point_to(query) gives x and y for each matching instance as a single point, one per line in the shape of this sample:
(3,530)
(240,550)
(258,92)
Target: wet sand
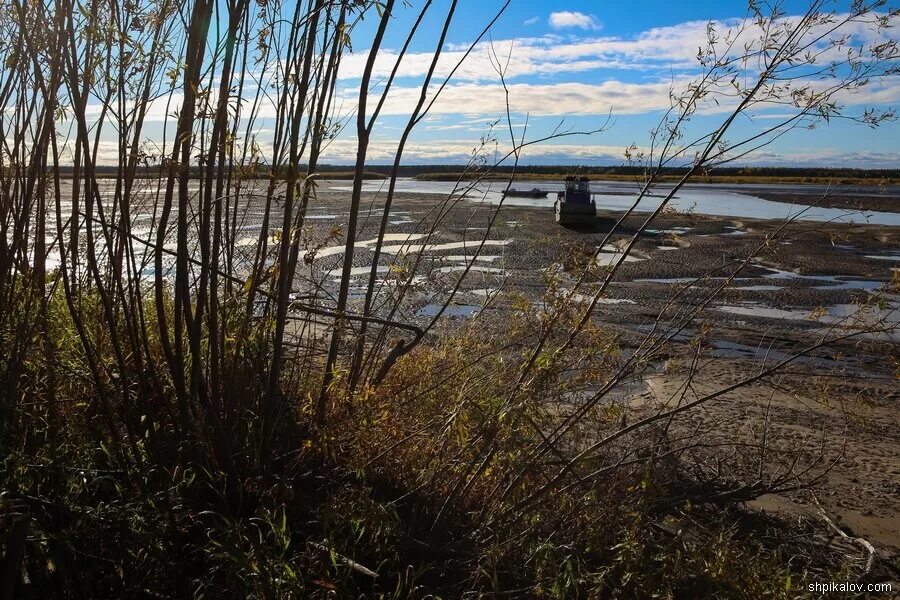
(804,280)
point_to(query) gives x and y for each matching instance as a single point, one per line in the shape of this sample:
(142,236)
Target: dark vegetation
(558,172)
(722,174)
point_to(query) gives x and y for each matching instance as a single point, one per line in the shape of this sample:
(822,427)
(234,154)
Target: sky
(580,66)
(599,71)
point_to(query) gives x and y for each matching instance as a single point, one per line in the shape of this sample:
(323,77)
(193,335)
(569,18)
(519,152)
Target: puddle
(782,274)
(735,231)
(357,271)
(758,310)
(454,310)
(485,292)
(614,256)
(681,336)
(473,268)
(410,248)
(883,256)
(329,251)
(392,282)
(759,288)
(583,298)
(669,280)
(397,237)
(468,257)
(366,244)
(763,353)
(606,259)
(670,231)
(832,282)
(853,314)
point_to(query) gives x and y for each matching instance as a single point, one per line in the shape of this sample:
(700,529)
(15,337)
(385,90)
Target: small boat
(575,205)
(532,193)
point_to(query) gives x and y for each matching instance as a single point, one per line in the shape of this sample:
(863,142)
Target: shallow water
(606,259)
(782,274)
(670,280)
(357,271)
(468,257)
(585,299)
(365,244)
(472,269)
(852,315)
(485,292)
(759,288)
(670,231)
(707,200)
(767,354)
(830,282)
(884,256)
(759,310)
(611,255)
(415,248)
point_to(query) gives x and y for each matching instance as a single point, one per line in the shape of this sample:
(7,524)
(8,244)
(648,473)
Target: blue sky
(577,62)
(574,65)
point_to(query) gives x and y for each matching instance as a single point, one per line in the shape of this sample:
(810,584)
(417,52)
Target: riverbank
(803,279)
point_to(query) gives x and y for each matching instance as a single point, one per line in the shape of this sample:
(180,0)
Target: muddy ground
(805,281)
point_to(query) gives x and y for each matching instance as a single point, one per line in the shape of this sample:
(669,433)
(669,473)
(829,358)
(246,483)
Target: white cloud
(450,128)
(481,103)
(557,99)
(569,18)
(656,51)
(532,21)
(457,151)
(586,152)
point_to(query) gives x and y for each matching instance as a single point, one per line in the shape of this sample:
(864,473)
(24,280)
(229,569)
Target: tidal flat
(767,291)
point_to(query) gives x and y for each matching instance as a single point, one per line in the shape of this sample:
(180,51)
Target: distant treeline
(439,172)
(627,173)
(837,173)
